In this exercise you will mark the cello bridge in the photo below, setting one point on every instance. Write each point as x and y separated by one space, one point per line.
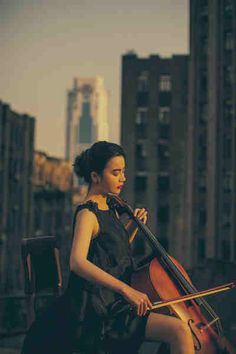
209 324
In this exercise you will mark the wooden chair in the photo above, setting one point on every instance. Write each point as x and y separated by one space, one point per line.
43 276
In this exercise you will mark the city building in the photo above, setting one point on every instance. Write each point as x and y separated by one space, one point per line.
211 188
153 134
87 115
16 194
53 202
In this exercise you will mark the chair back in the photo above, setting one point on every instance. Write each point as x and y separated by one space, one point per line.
43 276
41 259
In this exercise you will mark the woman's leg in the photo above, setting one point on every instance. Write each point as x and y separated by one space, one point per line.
170 330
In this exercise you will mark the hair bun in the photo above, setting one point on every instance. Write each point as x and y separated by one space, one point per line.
82 165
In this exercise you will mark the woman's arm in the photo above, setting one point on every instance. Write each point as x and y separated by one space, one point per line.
86 228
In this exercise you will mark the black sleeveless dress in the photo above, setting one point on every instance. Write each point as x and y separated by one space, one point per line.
103 321
89 318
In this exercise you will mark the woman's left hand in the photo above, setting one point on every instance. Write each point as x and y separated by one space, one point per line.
141 214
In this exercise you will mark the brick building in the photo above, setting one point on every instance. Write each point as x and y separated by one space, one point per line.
153 134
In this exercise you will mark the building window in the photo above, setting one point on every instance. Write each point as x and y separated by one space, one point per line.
202 218
140 157
228 75
228 7
141 116
202 152
163 151
202 182
165 83
140 183
227 182
163 154
225 250
204 44
142 99
141 131
202 146
203 80
141 164
229 41
201 249
143 81
203 8
164 131
228 111
163 214
141 150
203 113
204 11
164 115
202 139
226 214
227 147
163 183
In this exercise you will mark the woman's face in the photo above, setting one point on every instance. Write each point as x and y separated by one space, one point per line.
113 177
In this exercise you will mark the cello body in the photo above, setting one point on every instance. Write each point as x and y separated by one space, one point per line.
154 280
164 279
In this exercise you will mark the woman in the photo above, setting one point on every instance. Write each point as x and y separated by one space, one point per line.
94 314
101 265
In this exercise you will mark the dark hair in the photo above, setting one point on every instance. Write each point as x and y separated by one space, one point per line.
95 159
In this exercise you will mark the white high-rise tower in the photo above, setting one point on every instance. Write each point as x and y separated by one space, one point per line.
87 115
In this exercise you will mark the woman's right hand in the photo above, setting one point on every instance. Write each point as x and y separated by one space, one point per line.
138 299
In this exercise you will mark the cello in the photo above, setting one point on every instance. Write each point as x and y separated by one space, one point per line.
165 279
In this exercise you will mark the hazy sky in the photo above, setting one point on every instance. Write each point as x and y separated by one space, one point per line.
44 44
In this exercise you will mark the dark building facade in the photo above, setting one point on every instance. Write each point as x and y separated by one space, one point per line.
210 202
16 194
51 215
153 134
53 203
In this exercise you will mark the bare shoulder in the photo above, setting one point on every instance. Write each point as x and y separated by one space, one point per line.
85 214
87 220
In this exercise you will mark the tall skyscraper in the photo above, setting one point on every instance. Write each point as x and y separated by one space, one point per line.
210 207
153 134
87 115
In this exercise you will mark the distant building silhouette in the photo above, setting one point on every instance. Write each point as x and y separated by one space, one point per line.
53 202
16 194
52 172
210 208
87 115
153 134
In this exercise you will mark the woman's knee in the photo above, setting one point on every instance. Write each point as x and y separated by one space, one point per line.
163 327
181 331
